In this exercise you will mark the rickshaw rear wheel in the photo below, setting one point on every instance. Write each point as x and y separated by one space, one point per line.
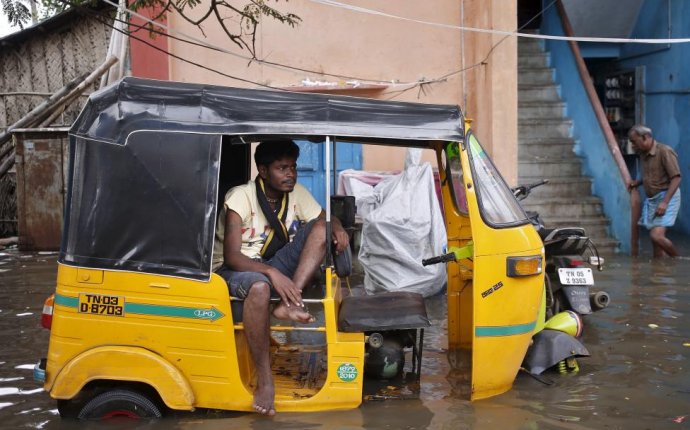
119 403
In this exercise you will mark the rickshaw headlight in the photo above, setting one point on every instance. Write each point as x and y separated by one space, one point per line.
523 266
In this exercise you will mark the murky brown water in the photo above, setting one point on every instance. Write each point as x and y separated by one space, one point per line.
637 378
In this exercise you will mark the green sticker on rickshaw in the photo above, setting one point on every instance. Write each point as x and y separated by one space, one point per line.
453 150
347 372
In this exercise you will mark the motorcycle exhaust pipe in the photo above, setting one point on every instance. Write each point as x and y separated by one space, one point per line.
599 300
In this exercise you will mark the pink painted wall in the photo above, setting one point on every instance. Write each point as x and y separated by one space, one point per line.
345 42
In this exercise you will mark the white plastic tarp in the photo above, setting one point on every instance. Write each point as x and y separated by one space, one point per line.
360 184
404 227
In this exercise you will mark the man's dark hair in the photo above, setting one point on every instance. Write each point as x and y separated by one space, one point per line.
271 150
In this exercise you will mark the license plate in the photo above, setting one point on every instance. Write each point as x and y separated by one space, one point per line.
580 276
102 305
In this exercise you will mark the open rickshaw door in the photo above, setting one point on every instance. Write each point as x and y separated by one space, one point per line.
495 295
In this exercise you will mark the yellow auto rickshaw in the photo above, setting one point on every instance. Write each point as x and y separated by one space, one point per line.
139 324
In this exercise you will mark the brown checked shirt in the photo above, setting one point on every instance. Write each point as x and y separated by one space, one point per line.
659 166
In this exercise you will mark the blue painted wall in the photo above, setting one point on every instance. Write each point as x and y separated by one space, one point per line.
667 83
311 166
591 144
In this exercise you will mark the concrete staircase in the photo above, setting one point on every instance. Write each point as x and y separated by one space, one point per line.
545 151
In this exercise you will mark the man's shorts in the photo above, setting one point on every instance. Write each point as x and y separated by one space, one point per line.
285 260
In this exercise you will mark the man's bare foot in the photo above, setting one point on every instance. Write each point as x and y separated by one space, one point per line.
263 400
293 313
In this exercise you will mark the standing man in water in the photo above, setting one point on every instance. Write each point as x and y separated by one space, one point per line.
661 180
263 249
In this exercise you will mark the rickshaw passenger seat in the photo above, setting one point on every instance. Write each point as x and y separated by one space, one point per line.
397 310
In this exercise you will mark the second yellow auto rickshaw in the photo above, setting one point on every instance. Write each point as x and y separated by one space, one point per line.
141 325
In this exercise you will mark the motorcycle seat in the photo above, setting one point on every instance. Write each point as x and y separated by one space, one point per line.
560 233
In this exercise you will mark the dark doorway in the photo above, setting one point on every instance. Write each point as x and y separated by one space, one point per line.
527 10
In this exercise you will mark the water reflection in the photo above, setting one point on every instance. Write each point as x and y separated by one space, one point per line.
637 376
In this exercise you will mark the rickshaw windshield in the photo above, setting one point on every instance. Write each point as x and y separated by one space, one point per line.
497 205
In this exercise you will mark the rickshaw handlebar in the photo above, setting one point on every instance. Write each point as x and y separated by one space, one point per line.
522 191
439 259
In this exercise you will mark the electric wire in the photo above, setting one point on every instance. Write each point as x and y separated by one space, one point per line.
421 83
105 21
198 42
480 63
359 9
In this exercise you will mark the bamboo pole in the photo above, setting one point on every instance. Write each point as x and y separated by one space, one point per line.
7 164
5 150
38 114
78 84
31 116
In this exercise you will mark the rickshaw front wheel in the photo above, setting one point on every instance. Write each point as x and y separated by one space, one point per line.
119 403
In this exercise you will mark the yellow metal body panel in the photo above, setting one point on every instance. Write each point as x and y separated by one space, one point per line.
179 336
488 312
459 289
124 363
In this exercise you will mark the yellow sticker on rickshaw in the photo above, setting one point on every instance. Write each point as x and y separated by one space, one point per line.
98 304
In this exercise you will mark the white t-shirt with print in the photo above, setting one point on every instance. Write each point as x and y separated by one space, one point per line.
255 228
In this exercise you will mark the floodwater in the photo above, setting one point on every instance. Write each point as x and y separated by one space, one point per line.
636 378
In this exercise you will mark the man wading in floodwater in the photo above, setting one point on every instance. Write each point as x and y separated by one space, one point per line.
661 180
256 256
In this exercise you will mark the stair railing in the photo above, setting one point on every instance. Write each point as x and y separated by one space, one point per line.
605 127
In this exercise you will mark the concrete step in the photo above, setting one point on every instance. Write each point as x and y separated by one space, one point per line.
541 109
551 169
529 45
545 151
595 226
532 93
536 60
606 245
541 157
535 76
545 147
596 230
544 128
565 186
565 206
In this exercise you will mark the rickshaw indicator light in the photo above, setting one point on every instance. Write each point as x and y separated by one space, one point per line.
47 314
523 266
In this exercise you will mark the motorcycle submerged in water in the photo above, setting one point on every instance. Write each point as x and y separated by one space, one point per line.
569 281
554 341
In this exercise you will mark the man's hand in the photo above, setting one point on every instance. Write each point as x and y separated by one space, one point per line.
661 209
286 289
341 240
632 185
339 236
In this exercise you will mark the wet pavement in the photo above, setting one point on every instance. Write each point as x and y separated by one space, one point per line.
637 377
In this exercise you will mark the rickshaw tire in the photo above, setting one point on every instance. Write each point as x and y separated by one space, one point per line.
119 403
68 409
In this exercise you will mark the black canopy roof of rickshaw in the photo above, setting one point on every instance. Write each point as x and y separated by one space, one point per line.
134 104
145 159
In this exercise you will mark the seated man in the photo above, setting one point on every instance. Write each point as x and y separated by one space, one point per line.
254 254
